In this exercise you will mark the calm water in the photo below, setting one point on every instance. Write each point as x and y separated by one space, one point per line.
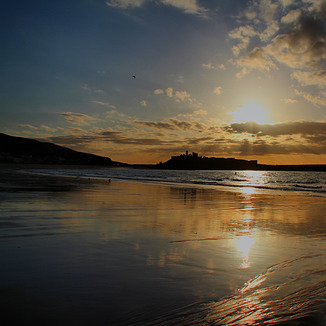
313 183
130 253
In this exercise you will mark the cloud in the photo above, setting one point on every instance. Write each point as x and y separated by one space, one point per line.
186 125
310 78
303 46
181 96
156 125
48 129
187 6
143 103
169 92
78 118
210 66
268 10
243 33
200 112
317 100
294 137
286 3
218 90
196 141
289 100
291 16
42 127
284 32
106 104
121 138
158 91
116 137
28 126
257 59
194 114
172 124
114 114
124 4
75 131
261 148
304 128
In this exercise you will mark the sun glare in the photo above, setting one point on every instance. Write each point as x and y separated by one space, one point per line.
252 111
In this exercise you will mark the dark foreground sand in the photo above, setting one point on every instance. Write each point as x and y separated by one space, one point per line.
84 252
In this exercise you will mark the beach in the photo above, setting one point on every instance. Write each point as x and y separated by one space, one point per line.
82 251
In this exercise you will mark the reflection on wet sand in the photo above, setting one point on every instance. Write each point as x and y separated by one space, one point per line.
264 300
153 252
243 244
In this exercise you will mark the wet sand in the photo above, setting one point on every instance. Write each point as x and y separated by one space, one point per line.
84 252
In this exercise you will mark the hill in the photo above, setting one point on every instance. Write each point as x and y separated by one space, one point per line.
25 150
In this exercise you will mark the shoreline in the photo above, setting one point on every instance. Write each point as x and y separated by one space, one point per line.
249 189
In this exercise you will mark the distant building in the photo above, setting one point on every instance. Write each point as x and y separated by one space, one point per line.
193 154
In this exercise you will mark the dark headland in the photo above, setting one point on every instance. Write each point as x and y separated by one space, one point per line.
195 162
19 150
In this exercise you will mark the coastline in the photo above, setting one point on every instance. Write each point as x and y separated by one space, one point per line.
86 251
301 183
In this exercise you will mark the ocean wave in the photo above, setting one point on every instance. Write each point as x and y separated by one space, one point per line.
312 183
307 187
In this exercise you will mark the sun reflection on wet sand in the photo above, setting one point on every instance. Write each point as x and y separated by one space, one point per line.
248 190
243 244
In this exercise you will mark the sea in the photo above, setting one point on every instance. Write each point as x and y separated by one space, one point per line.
286 182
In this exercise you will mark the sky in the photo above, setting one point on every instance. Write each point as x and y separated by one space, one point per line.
141 80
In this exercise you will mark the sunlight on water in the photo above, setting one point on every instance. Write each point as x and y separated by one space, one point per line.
257 178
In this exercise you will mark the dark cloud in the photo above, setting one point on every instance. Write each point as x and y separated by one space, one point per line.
71 140
263 148
156 125
194 141
304 44
297 40
120 138
304 128
79 119
182 124
172 124
309 37
108 136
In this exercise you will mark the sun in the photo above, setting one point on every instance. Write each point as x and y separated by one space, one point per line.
252 111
